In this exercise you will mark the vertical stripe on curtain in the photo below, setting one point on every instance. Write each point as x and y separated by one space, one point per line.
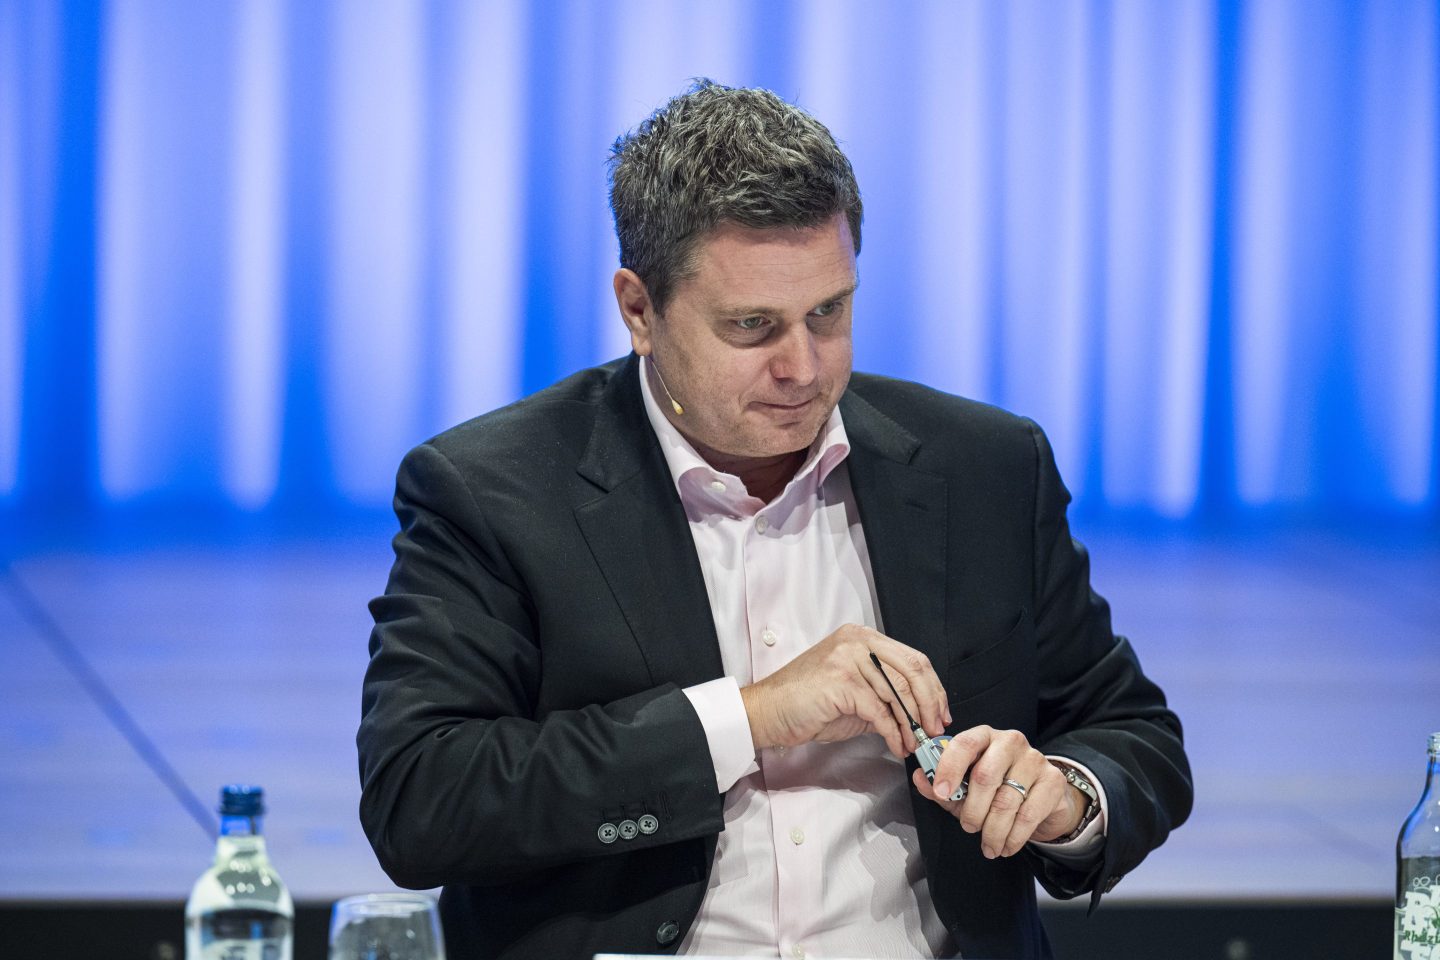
250 253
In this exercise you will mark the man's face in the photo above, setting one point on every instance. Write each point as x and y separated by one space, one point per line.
756 344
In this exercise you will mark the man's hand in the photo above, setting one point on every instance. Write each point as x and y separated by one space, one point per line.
1006 820
833 692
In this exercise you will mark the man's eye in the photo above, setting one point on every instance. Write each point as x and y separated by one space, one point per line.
825 309
750 323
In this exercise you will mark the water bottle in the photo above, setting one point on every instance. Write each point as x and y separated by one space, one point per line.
239 909
1417 890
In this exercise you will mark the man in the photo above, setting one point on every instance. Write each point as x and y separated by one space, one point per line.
621 695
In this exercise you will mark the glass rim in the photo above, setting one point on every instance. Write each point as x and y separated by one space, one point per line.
384 904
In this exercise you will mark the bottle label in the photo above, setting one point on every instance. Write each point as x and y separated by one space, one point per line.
242 950
243 934
1417 920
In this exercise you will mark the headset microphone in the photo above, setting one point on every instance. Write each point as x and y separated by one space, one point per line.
674 404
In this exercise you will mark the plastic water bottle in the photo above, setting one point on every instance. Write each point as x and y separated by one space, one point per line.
1417 853
239 909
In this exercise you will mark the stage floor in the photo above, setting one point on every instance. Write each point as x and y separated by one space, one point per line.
1304 662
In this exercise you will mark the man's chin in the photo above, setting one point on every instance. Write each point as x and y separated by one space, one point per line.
780 439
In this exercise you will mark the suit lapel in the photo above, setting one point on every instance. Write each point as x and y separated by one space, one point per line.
903 511
637 531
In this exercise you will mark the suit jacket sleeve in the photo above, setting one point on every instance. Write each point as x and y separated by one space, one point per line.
1095 704
463 780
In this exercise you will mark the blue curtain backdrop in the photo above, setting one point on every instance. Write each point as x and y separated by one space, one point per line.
251 252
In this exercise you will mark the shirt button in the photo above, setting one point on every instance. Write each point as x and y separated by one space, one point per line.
769 637
798 952
717 485
797 836
762 524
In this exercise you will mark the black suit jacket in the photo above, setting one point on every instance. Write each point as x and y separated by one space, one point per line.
546 607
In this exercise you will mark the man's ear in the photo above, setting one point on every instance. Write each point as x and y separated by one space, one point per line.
635 309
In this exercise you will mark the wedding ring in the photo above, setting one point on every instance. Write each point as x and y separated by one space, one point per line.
1019 788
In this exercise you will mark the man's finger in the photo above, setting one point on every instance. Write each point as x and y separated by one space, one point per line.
926 695
987 777
914 679
1009 800
1048 794
886 688
877 713
956 762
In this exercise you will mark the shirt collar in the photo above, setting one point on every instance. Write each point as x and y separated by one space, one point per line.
691 473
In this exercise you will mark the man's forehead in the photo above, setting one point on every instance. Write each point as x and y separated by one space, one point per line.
734 264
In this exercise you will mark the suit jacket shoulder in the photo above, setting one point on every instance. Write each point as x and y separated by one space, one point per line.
957 427
536 437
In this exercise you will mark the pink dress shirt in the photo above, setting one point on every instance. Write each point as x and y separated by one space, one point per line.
819 856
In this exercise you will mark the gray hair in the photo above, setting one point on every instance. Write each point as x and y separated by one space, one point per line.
714 155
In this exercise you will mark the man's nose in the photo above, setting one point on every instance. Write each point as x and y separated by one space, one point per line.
796 357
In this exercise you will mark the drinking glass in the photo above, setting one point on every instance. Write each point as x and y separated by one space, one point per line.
386 926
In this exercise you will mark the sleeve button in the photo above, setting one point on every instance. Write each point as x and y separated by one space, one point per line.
648 824
607 832
629 829
667 933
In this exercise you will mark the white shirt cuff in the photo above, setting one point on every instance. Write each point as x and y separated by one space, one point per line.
1083 848
727 729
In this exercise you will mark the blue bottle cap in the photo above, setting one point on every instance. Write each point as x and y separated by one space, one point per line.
240 800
